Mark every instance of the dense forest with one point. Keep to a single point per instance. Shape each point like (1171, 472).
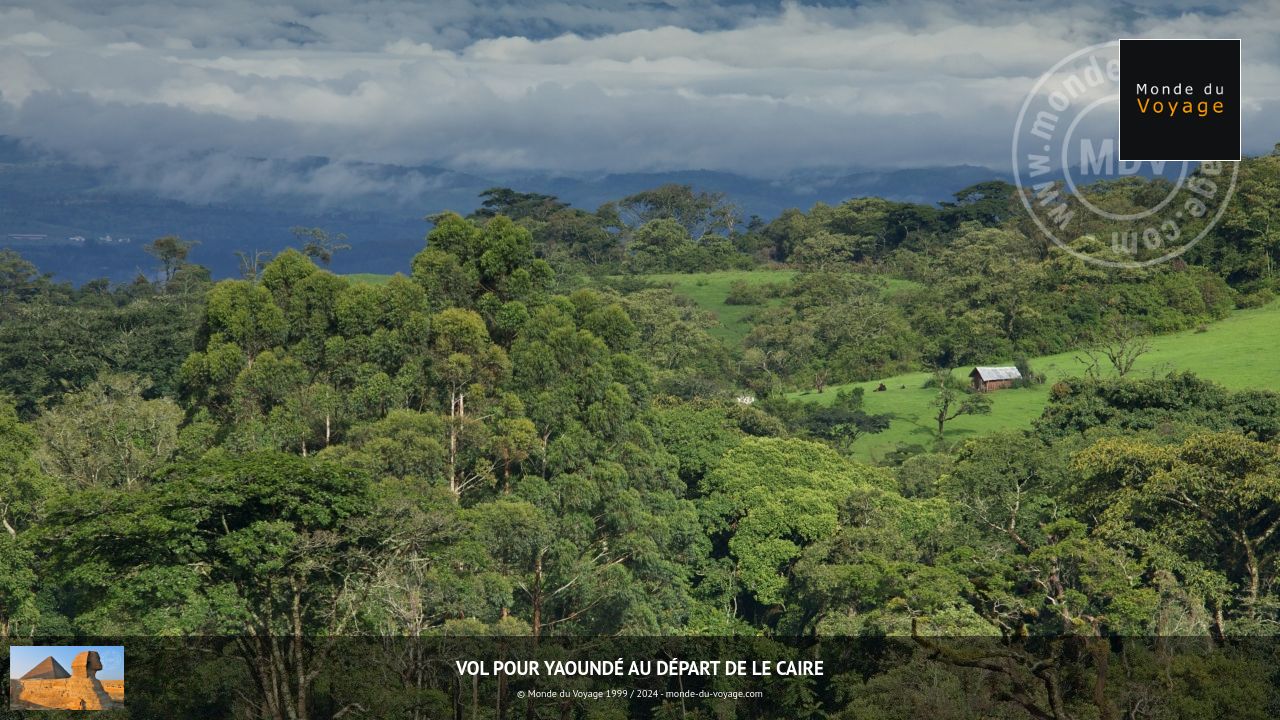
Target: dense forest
(527, 435)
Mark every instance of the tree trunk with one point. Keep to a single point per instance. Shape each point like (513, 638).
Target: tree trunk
(457, 413)
(298, 654)
(536, 599)
(1100, 648)
(1251, 567)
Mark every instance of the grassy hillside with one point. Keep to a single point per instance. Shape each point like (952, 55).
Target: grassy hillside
(709, 290)
(1238, 352)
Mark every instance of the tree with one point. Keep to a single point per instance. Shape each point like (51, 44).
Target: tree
(24, 491)
(1036, 574)
(578, 234)
(171, 251)
(465, 265)
(1246, 243)
(879, 570)
(19, 279)
(23, 488)
(824, 251)
(108, 435)
(607, 541)
(268, 548)
(952, 402)
(656, 243)
(517, 205)
(1177, 400)
(318, 244)
(698, 212)
(769, 498)
(987, 202)
(406, 444)
(244, 313)
(1122, 342)
(50, 345)
(1213, 501)
(251, 263)
(984, 295)
(466, 363)
(18, 587)
(785, 233)
(844, 421)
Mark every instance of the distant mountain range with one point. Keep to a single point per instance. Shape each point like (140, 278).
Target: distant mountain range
(82, 221)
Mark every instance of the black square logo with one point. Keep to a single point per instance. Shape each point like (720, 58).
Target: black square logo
(1179, 100)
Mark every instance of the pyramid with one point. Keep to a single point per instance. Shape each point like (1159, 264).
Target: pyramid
(48, 669)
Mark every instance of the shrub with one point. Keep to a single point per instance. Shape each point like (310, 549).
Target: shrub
(1030, 378)
(1255, 299)
(743, 293)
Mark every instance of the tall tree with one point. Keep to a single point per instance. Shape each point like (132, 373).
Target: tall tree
(171, 251)
(517, 205)
(108, 434)
(1212, 501)
(268, 548)
(698, 212)
(953, 401)
(318, 244)
(769, 498)
(467, 365)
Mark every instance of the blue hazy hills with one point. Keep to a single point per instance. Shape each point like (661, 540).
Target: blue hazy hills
(82, 221)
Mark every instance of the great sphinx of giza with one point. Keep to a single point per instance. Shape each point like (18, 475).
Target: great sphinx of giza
(86, 665)
(48, 686)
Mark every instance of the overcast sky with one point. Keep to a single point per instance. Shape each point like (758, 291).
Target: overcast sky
(753, 87)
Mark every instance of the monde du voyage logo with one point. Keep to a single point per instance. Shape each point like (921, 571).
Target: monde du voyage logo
(1165, 110)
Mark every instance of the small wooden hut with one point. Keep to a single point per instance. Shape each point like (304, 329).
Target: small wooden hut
(986, 379)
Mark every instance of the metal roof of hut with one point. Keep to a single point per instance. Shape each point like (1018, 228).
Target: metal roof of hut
(996, 373)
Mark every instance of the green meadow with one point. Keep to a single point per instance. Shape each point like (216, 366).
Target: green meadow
(1242, 351)
(709, 290)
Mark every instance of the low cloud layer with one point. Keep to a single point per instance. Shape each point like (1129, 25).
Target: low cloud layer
(754, 88)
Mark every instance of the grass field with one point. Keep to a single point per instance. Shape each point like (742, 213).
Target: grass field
(1238, 352)
(709, 290)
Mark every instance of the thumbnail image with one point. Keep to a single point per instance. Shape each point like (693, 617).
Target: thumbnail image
(39, 678)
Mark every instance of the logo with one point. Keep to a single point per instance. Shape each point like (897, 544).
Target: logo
(1180, 99)
(1087, 201)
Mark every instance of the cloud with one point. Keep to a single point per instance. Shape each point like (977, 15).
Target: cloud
(756, 88)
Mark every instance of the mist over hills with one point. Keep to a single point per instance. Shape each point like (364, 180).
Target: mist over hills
(81, 221)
